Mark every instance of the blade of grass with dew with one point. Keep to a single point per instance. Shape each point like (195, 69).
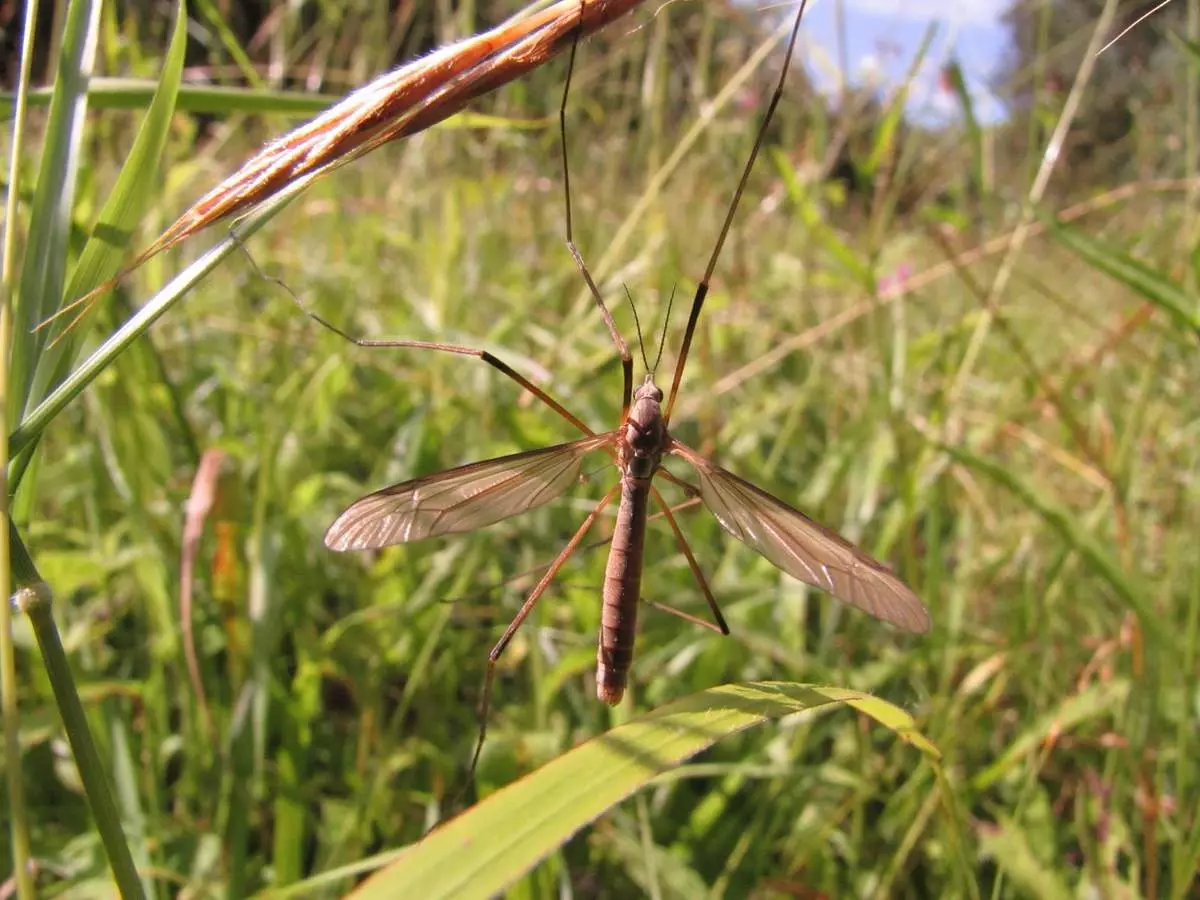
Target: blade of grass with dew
(513, 829)
(1180, 304)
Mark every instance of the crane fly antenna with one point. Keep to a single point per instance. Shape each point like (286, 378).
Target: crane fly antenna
(614, 333)
(662, 340)
(637, 323)
(702, 288)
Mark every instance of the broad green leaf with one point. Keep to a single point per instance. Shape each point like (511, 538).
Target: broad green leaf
(497, 841)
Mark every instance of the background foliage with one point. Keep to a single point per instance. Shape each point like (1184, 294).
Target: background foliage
(339, 691)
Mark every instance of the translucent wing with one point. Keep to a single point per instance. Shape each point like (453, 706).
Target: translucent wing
(461, 499)
(803, 548)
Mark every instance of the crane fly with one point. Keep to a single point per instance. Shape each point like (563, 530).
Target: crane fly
(472, 496)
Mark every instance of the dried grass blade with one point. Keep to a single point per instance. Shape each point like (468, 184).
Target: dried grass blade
(398, 104)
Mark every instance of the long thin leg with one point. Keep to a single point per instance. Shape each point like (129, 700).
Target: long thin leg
(690, 489)
(695, 566)
(590, 545)
(523, 613)
(686, 616)
(702, 288)
(484, 355)
(622, 347)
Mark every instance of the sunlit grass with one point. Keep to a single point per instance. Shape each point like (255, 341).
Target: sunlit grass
(343, 687)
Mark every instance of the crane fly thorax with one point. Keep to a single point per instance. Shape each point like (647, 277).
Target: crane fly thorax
(644, 436)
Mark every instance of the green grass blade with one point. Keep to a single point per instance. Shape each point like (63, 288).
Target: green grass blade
(484, 850)
(212, 17)
(136, 93)
(44, 269)
(1100, 699)
(36, 603)
(1191, 50)
(125, 772)
(1169, 296)
(12, 559)
(1075, 536)
(132, 193)
(884, 145)
(953, 73)
(37, 420)
(1010, 847)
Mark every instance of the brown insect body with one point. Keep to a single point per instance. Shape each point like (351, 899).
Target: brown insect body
(479, 494)
(642, 440)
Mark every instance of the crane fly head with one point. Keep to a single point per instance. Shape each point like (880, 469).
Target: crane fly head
(645, 432)
(649, 390)
(645, 421)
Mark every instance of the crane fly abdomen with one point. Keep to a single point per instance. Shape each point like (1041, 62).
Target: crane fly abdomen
(622, 591)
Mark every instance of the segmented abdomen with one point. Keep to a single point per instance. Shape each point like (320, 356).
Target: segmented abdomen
(622, 592)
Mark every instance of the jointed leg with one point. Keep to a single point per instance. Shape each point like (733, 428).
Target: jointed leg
(702, 288)
(484, 355)
(622, 348)
(688, 488)
(686, 616)
(695, 566)
(523, 613)
(602, 542)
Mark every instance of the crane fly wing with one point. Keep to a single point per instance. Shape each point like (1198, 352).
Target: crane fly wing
(461, 499)
(803, 548)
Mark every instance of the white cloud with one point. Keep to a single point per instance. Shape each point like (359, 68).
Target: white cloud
(871, 70)
(963, 12)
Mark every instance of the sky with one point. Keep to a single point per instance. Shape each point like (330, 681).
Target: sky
(883, 37)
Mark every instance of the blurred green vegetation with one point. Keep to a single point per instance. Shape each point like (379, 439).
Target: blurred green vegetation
(1056, 548)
